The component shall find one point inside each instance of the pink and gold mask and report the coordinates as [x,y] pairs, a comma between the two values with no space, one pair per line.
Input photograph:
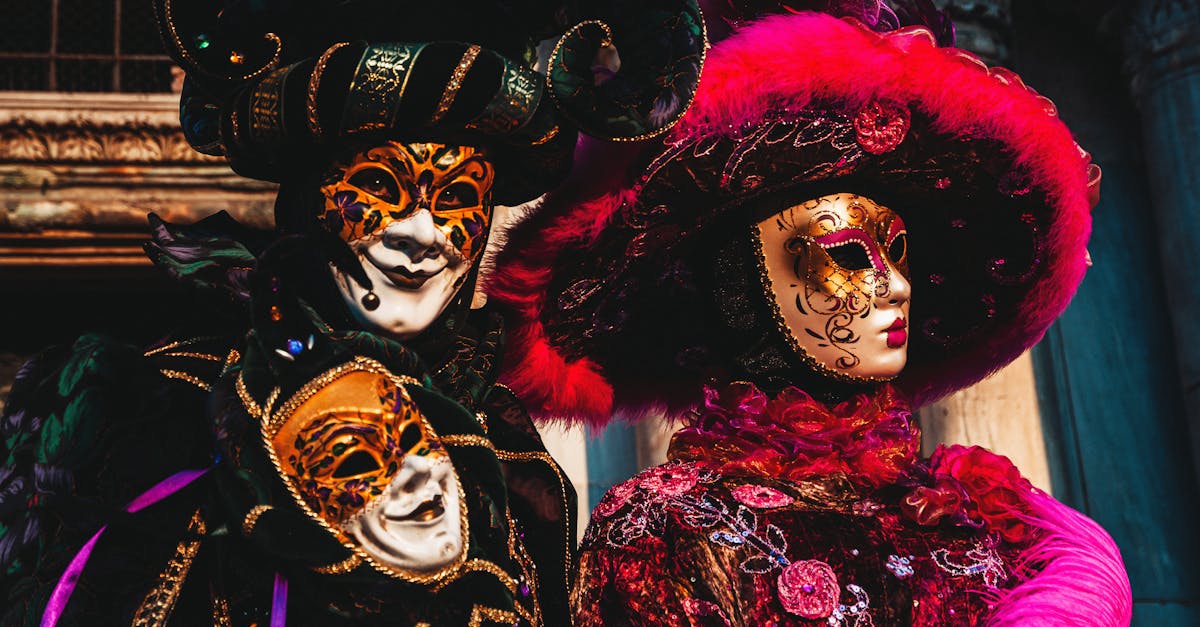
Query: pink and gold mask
[837,269]
[394,181]
[356,451]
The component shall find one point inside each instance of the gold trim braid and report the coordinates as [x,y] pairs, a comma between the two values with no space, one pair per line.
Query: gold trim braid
[156,608]
[314,86]
[183,376]
[252,517]
[378,86]
[456,79]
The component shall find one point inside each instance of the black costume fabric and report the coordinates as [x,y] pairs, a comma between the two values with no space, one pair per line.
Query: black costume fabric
[90,427]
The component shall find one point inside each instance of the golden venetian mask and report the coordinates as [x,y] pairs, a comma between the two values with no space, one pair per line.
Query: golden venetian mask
[837,270]
[362,460]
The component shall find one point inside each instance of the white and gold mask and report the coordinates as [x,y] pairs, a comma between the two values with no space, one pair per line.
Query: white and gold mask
[837,268]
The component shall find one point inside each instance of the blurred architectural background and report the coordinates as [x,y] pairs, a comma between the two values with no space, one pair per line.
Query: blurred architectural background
[1105,412]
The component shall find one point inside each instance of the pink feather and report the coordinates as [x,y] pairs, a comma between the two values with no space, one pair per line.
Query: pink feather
[1072,576]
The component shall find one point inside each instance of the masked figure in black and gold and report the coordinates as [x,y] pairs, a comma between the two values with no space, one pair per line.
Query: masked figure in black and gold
[327,445]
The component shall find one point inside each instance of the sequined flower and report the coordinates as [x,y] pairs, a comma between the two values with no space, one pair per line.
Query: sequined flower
[760,497]
[615,499]
[808,589]
[670,480]
[881,126]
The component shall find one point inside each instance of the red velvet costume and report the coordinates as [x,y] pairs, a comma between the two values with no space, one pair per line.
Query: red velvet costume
[803,512]
[793,497]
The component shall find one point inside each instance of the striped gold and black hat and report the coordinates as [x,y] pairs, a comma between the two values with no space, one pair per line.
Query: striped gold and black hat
[274,84]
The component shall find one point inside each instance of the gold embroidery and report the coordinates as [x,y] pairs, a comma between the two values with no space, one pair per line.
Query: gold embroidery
[183,376]
[232,358]
[156,608]
[204,356]
[252,517]
[517,550]
[248,402]
[220,610]
[460,71]
[340,568]
[568,514]
[266,108]
[174,345]
[468,440]
[480,613]
[378,86]
[314,86]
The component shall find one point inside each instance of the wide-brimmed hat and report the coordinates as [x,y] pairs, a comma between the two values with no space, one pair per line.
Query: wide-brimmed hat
[273,85]
[994,191]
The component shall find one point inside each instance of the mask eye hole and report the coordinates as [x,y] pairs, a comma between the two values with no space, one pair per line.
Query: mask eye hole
[458,196]
[410,437]
[850,256]
[898,249]
[377,182]
[358,463]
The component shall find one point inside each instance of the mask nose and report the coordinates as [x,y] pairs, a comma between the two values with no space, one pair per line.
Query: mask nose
[899,288]
[416,236]
[415,472]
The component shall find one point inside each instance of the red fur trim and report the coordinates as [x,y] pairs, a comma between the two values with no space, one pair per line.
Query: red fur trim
[551,386]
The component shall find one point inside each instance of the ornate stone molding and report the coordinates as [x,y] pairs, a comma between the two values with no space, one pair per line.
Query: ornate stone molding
[1162,41]
[79,173]
[89,128]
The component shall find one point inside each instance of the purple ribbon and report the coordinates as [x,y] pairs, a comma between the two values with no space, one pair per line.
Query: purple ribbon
[70,577]
[279,601]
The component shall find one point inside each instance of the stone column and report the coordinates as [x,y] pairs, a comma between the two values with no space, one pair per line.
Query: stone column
[1162,46]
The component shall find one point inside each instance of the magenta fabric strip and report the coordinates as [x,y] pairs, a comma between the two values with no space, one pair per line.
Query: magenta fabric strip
[66,583]
[165,488]
[279,601]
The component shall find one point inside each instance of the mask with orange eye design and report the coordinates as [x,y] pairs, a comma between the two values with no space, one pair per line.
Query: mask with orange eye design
[362,459]
[417,217]
[394,181]
[837,270]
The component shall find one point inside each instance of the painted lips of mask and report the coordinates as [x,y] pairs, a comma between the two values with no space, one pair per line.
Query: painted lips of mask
[836,268]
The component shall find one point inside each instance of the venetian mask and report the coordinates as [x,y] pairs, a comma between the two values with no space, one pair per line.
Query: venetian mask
[417,217]
[363,460]
[837,269]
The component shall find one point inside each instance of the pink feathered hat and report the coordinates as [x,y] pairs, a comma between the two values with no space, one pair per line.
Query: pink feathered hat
[994,190]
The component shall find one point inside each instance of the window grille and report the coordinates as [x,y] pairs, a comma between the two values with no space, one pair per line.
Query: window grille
[81,45]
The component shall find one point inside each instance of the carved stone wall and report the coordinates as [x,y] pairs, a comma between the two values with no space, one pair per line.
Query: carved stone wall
[78,174]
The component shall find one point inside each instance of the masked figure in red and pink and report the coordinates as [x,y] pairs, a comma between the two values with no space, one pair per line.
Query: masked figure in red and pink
[850,222]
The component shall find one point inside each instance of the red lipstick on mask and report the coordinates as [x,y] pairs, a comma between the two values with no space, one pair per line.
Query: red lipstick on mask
[897,334]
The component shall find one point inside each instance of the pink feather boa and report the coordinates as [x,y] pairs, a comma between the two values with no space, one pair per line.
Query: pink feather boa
[1072,575]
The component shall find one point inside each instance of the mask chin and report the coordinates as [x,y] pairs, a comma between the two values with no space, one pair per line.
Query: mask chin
[403,305]
[415,526]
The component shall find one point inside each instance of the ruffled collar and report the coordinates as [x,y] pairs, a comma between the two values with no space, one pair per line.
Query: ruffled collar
[871,440]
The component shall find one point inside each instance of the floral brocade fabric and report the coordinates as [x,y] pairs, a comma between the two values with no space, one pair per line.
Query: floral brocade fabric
[784,511]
